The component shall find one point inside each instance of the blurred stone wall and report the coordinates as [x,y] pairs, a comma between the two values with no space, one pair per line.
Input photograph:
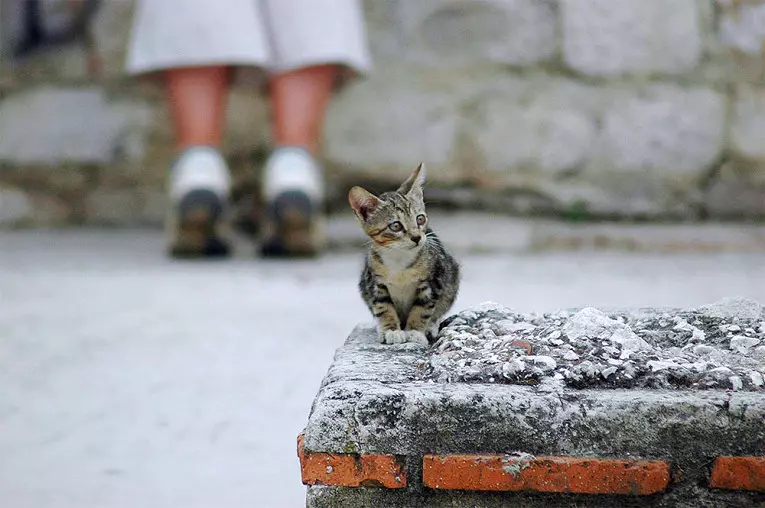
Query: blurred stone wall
[609,108]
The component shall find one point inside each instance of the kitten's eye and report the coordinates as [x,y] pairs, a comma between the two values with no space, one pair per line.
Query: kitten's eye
[395,226]
[420,219]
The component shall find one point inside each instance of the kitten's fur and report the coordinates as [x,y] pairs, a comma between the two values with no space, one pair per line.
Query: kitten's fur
[409,280]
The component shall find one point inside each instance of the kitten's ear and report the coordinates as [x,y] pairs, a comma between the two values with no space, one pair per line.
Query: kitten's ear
[363,202]
[415,181]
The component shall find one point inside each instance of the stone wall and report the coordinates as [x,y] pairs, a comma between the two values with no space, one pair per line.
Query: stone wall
[615,108]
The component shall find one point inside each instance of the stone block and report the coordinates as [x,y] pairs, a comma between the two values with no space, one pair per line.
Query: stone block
[111,32]
[582,422]
[748,123]
[664,128]
[741,25]
[546,126]
[50,125]
[433,32]
[736,47]
[14,206]
[24,208]
[607,38]
[125,206]
[737,190]
[384,129]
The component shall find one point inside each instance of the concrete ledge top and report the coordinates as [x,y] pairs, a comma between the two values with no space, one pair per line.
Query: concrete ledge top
[410,399]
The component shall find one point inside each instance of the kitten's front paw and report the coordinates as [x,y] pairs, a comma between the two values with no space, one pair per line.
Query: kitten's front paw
[403,336]
[416,337]
[393,337]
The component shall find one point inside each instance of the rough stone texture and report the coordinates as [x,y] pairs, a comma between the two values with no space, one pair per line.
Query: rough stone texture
[376,399]
[611,37]
[394,396]
[712,347]
[48,125]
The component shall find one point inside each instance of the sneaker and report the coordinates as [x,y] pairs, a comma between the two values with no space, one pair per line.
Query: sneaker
[293,192]
[199,190]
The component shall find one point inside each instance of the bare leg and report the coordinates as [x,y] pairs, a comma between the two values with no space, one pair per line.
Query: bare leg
[299,100]
[199,179]
[197,98]
[292,183]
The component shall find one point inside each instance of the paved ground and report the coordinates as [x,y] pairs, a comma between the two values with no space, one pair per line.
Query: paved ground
[130,380]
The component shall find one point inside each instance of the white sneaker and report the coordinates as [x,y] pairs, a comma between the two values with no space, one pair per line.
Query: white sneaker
[199,188]
[199,168]
[293,193]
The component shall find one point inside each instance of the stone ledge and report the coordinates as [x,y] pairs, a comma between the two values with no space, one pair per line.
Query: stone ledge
[380,400]
[502,233]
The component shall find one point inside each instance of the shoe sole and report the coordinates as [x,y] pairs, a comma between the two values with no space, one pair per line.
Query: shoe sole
[196,233]
[292,227]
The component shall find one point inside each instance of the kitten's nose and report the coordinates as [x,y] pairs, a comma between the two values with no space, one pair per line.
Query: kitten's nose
[416,239]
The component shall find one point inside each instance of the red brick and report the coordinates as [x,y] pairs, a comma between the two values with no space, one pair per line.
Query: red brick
[350,470]
[545,474]
[739,473]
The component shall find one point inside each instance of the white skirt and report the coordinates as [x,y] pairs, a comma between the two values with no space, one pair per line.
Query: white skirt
[274,35]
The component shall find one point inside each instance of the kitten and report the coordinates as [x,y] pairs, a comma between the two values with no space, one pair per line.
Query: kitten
[409,280]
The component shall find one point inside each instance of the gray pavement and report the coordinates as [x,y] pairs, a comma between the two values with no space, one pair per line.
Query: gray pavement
[132,380]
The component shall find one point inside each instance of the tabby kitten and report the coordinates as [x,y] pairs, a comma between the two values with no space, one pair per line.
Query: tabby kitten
[409,280]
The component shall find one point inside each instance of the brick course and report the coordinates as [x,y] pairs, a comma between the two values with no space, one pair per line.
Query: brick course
[351,470]
[545,474]
[739,473]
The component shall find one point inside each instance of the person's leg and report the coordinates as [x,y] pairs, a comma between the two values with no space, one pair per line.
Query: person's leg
[199,179]
[197,99]
[299,99]
[292,182]
[191,45]
[312,42]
